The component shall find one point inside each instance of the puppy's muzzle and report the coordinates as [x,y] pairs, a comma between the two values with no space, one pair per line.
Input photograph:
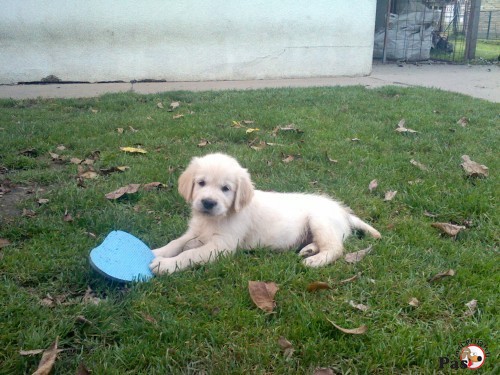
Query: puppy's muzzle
[208,204]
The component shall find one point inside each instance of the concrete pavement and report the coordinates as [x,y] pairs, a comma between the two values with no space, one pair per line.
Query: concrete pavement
[479,81]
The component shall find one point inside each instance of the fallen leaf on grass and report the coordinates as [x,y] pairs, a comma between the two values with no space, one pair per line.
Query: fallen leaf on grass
[29,152]
[159,105]
[106,171]
[389,195]
[178,116]
[449,229]
[355,140]
[61,147]
[56,157]
[90,297]
[259,146]
[75,161]
[354,331]
[129,189]
[262,294]
[350,279]
[251,130]
[28,213]
[149,318]
[358,306]
[442,275]
[317,285]
[323,371]
[42,201]
[286,346]
[358,255]
[471,308]
[120,130]
[82,370]
[472,168]
[4,242]
[204,142]
[132,129]
[288,159]
[93,110]
[414,302]
[174,105]
[373,185]
[153,186]
[463,121]
[87,173]
[67,217]
[402,129]
[331,160]
[48,359]
[419,165]
[133,150]
[430,214]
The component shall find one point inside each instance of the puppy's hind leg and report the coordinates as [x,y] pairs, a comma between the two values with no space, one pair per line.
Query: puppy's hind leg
[309,250]
[326,241]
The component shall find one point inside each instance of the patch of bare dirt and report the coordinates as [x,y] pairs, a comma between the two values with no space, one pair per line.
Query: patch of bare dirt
[10,197]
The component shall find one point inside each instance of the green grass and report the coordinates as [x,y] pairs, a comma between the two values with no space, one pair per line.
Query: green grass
[202,320]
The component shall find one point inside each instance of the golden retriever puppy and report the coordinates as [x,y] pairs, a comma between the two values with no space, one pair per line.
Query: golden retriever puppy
[228,213]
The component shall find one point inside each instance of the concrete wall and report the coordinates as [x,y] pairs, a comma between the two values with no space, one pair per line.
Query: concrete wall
[106,40]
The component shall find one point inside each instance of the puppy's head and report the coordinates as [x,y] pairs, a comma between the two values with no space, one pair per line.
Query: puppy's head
[216,185]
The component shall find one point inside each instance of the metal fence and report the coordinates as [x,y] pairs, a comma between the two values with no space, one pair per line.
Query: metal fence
[450,30]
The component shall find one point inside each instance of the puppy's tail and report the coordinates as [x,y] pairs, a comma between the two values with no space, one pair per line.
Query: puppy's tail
[357,223]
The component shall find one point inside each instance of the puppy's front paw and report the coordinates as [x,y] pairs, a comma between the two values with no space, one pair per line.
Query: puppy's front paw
[309,250]
[321,259]
[161,265]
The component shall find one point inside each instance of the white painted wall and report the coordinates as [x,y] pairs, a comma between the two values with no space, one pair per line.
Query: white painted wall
[184,40]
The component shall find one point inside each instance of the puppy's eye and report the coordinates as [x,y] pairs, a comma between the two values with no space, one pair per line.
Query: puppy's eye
[225,188]
[201,183]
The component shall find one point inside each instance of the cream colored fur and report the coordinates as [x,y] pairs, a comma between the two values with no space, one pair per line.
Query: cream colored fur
[228,213]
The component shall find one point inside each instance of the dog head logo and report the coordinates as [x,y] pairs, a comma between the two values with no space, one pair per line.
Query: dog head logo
[472,355]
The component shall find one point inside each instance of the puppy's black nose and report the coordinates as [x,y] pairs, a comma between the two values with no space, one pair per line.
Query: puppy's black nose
[208,204]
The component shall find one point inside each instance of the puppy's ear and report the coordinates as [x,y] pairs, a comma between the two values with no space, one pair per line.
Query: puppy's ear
[244,191]
[186,181]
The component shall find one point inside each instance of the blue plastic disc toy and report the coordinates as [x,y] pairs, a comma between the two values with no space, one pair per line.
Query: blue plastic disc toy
[122,257]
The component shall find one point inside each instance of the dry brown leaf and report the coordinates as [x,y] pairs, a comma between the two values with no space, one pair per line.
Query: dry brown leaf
[430,214]
[149,318]
[402,129]
[389,195]
[262,294]
[153,186]
[129,189]
[106,171]
[90,297]
[463,121]
[4,242]
[474,169]
[358,306]
[352,331]
[132,129]
[259,146]
[159,105]
[178,116]
[54,156]
[442,275]
[286,346]
[93,110]
[471,308]
[288,159]
[82,370]
[251,130]
[67,217]
[174,105]
[358,255]
[28,213]
[204,142]
[75,161]
[48,359]
[355,140]
[414,302]
[237,125]
[61,148]
[42,201]
[30,352]
[334,161]
[449,229]
[87,173]
[350,279]
[373,185]
[29,152]
[323,371]
[419,165]
[120,130]
[317,285]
